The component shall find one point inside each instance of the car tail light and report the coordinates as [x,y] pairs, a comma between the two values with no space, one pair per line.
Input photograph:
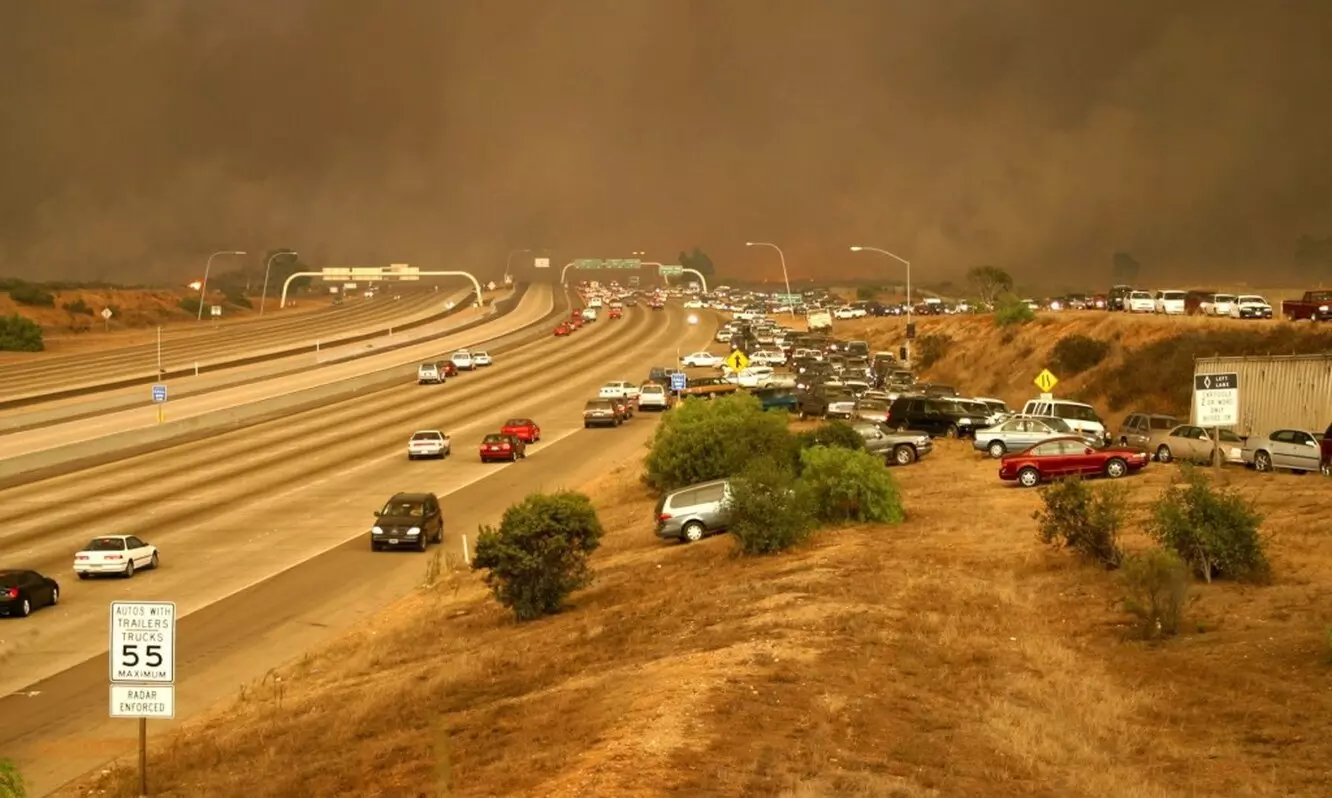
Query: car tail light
[664,517]
[115,557]
[504,446]
[12,592]
[80,557]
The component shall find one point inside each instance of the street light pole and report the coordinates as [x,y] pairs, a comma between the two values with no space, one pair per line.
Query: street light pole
[785,278]
[509,260]
[264,296]
[906,263]
[203,287]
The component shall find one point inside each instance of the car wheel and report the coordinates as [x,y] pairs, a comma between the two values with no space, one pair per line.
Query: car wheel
[154,562]
[692,532]
[1029,477]
[1163,454]
[439,535]
[904,455]
[55,596]
[85,576]
[25,609]
[997,449]
[587,425]
[422,543]
[1325,469]
[952,431]
[1116,468]
[1262,461]
[129,569]
[374,546]
[411,457]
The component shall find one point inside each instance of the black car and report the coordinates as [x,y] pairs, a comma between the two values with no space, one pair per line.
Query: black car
[408,520]
[931,415]
[21,592]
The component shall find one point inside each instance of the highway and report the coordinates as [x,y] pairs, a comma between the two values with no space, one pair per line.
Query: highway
[75,419]
[184,347]
[264,531]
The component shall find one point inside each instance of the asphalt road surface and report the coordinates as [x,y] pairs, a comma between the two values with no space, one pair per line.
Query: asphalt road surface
[211,344]
[264,532]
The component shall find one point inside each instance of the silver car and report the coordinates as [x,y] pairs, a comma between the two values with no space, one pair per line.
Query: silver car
[1021,433]
[902,448]
[689,514]
[1292,449]
[875,410]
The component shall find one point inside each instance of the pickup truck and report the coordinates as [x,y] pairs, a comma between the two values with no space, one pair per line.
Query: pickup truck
[1315,306]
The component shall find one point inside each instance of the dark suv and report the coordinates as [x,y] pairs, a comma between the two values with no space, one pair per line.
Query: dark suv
[411,520]
[931,415]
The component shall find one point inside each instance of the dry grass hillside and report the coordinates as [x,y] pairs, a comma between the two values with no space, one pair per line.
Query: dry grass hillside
[952,655]
[1147,365]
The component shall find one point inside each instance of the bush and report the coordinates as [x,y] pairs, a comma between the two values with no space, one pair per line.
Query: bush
[538,556]
[866,293]
[11,781]
[837,433]
[78,308]
[189,304]
[1086,520]
[1156,586]
[237,297]
[930,349]
[1215,532]
[702,440]
[29,294]
[845,485]
[1010,311]
[768,508]
[20,334]
[1074,354]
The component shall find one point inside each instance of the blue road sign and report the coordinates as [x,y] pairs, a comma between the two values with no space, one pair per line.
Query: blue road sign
[677,381]
[159,393]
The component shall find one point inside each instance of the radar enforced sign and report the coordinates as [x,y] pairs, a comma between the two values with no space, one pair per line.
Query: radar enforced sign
[143,642]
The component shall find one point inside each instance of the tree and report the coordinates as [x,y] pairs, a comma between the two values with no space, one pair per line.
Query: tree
[698,261]
[989,282]
[539,554]
[20,334]
[702,440]
[1124,269]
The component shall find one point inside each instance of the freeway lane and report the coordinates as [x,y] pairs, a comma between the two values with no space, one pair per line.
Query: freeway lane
[535,304]
[181,349]
[233,547]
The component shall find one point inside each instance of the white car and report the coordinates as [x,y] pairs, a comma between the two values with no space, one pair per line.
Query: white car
[703,360]
[620,389]
[653,396]
[429,372]
[693,304]
[462,359]
[751,377]
[482,359]
[767,357]
[1170,303]
[590,313]
[844,313]
[595,302]
[429,443]
[1140,302]
[118,555]
[1217,305]
[1250,306]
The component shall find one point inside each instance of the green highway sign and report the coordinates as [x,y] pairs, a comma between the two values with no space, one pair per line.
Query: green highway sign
[670,271]
[790,299]
[609,263]
[587,263]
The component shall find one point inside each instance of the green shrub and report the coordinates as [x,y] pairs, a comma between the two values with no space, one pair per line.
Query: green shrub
[700,441]
[237,297]
[846,485]
[1010,311]
[11,780]
[866,292]
[189,304]
[539,554]
[1156,588]
[930,349]
[1082,518]
[20,334]
[1074,354]
[29,294]
[1214,531]
[78,308]
[769,511]
[836,433]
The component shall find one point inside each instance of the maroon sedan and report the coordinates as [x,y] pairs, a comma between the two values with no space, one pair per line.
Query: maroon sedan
[1068,457]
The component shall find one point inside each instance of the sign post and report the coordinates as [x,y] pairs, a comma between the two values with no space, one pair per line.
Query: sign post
[215,311]
[1046,381]
[678,384]
[1216,405]
[106,317]
[737,361]
[159,399]
[143,667]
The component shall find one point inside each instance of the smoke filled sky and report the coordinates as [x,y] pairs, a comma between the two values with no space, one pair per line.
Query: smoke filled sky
[1039,135]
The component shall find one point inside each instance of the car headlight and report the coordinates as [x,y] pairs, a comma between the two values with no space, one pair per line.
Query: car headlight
[964,422]
[377,531]
[922,440]
[1323,308]
[414,531]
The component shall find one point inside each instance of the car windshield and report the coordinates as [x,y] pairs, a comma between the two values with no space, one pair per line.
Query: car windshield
[873,404]
[493,438]
[1224,298]
[403,509]
[653,388]
[1252,299]
[105,544]
[1230,437]
[517,422]
[1158,422]
[1173,295]
[1077,412]
[427,436]
[597,405]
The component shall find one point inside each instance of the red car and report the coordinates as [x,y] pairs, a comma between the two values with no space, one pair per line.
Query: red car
[524,429]
[497,446]
[563,328]
[1067,457]
[578,323]
[615,313]
[447,368]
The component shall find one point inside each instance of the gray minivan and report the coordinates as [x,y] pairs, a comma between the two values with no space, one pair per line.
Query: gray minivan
[689,514]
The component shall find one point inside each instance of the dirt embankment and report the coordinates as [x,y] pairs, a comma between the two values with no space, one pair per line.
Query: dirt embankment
[1147,362]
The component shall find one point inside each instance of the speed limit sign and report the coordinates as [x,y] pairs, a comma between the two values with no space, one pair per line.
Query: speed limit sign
[143,642]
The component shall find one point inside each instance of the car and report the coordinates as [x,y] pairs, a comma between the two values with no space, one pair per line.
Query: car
[615,313]
[1069,457]
[1216,305]
[902,448]
[1293,449]
[482,359]
[590,313]
[691,513]
[1140,302]
[619,389]
[429,372]
[577,323]
[875,410]
[498,446]
[1021,433]
[601,413]
[563,328]
[931,414]
[1170,302]
[751,377]
[708,387]
[1138,428]
[767,357]
[1081,416]
[776,399]
[462,359]
[703,360]
[408,520]
[1250,306]
[524,429]
[1194,445]
[116,555]
[428,443]
[653,396]
[447,368]
[21,592]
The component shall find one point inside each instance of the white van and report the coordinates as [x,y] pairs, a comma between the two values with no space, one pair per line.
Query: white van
[1081,417]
